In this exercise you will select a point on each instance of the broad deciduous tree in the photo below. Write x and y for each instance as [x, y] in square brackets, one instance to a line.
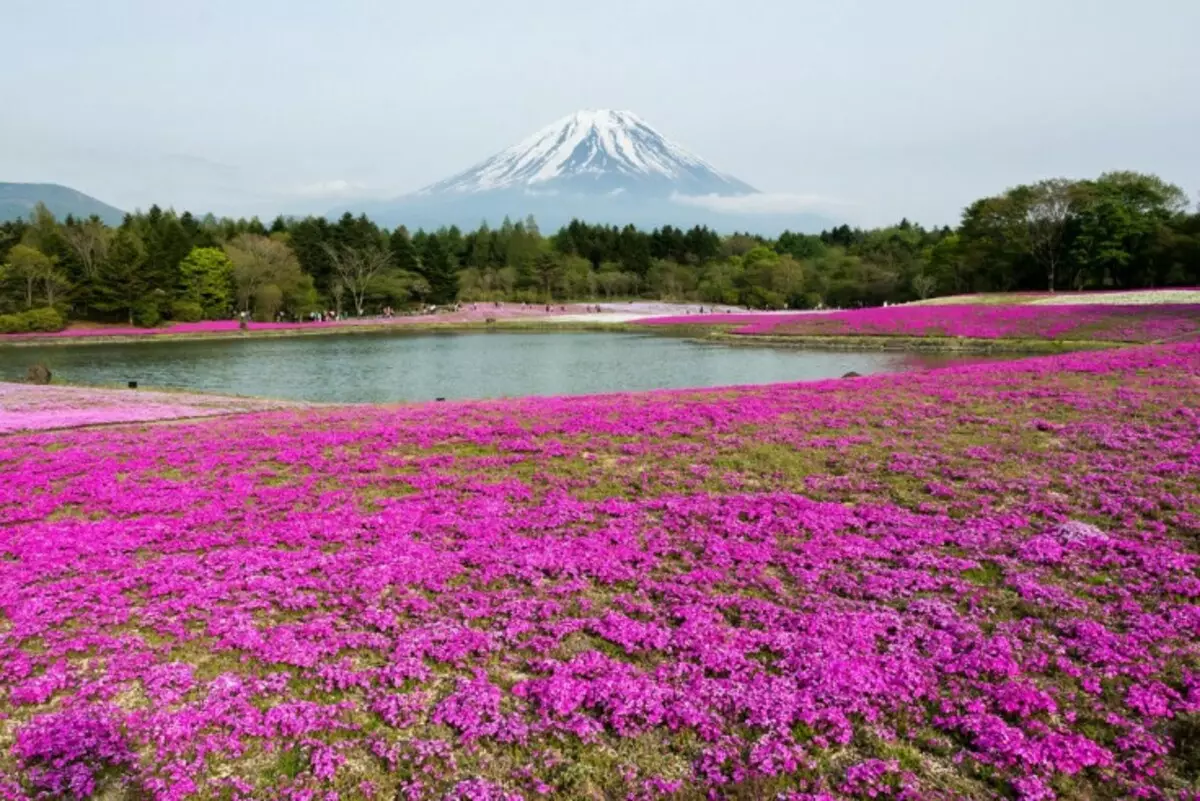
[260, 261]
[33, 268]
[357, 267]
[206, 279]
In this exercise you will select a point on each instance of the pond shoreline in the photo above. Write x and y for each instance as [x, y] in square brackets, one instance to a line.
[279, 333]
[867, 343]
[453, 363]
[709, 334]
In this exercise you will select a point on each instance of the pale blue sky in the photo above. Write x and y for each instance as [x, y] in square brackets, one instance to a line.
[879, 108]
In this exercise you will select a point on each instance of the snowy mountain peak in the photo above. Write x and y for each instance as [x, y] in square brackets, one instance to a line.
[596, 151]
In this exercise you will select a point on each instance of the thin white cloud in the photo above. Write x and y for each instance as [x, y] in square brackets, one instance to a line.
[759, 203]
[335, 188]
[193, 162]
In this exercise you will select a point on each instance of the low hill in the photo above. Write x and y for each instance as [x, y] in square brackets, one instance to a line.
[18, 201]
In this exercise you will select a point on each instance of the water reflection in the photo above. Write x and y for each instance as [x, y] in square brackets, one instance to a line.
[389, 367]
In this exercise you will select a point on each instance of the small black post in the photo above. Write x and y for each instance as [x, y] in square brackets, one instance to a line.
[133, 385]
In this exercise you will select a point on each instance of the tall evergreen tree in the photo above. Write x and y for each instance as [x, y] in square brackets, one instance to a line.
[309, 238]
[440, 271]
[123, 287]
[404, 253]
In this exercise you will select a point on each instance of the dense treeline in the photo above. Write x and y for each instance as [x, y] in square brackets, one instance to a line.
[1122, 230]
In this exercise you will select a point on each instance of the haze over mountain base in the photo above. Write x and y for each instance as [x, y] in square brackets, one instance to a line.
[601, 166]
[17, 202]
[555, 210]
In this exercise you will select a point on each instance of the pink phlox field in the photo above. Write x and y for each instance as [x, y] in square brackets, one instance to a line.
[1132, 323]
[979, 581]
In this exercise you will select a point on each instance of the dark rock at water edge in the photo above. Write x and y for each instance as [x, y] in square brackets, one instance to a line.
[852, 374]
[38, 374]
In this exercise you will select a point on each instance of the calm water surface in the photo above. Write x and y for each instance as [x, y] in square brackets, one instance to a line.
[411, 367]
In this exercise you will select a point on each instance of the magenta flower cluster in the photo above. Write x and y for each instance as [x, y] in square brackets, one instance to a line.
[972, 582]
[63, 752]
[1138, 323]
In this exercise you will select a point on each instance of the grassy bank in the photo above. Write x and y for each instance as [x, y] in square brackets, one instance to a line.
[30, 407]
[952, 328]
[934, 344]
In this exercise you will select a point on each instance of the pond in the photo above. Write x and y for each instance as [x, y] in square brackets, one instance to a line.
[378, 368]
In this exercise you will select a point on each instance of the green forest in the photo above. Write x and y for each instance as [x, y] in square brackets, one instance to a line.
[1119, 231]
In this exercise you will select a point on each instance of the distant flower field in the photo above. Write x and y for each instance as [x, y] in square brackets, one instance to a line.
[1111, 323]
[1136, 297]
[480, 313]
[978, 582]
[1101, 297]
[27, 407]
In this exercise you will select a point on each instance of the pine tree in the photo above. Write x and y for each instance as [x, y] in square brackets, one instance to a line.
[440, 271]
[167, 244]
[453, 242]
[308, 238]
[477, 247]
[122, 284]
[404, 253]
[547, 269]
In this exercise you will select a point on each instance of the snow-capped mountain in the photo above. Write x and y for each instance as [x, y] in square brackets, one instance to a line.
[595, 151]
[602, 166]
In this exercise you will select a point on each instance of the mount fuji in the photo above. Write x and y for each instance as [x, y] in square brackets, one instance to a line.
[600, 166]
[593, 152]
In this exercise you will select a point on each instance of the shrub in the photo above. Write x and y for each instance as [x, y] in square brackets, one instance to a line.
[146, 315]
[47, 319]
[186, 311]
[13, 324]
[759, 298]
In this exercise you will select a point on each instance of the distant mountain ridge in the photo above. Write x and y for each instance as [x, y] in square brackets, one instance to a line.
[17, 201]
[602, 166]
